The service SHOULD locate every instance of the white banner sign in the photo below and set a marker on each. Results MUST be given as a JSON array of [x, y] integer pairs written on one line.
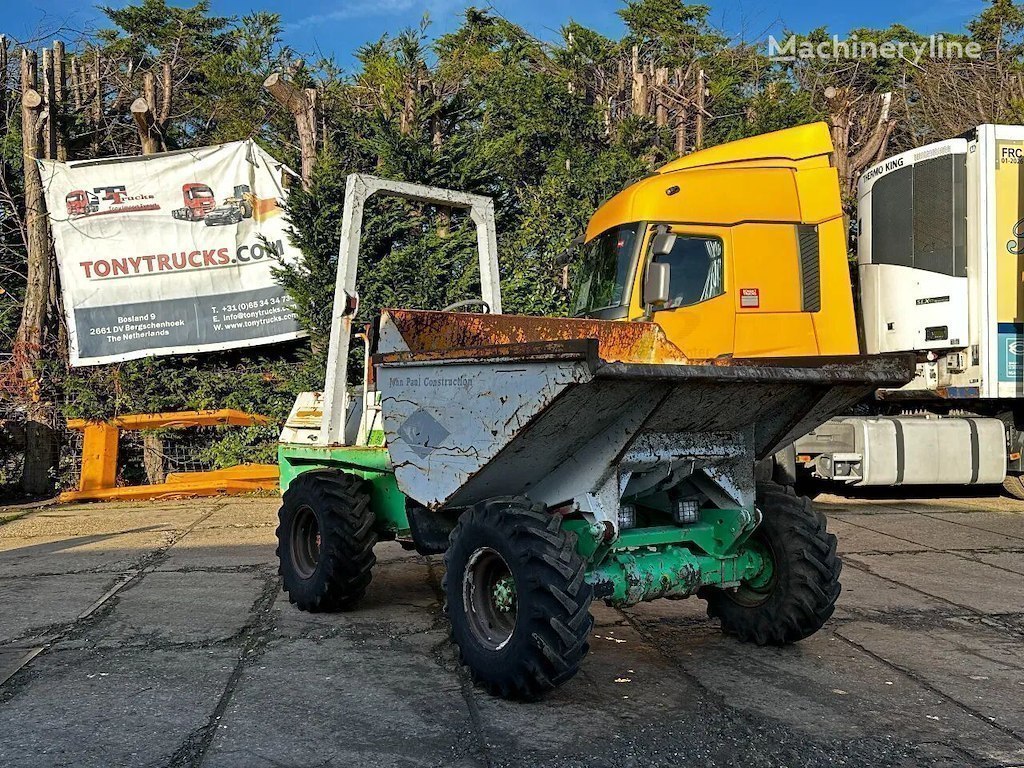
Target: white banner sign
[[170, 253]]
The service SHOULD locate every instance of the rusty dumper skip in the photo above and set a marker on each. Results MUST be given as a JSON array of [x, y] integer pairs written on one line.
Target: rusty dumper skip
[[554, 462]]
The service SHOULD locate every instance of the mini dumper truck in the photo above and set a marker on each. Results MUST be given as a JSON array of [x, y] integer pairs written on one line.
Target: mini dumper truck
[[555, 461]]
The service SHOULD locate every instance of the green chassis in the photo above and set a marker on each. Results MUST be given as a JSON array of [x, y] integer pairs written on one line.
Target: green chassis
[[643, 563]]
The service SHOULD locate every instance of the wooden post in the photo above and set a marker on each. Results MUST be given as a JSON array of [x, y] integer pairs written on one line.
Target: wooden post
[[41, 446], [60, 99], [302, 105], [699, 139]]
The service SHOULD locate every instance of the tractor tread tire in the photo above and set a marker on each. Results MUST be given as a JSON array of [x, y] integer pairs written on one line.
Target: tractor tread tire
[[1014, 486], [553, 623], [806, 574], [347, 537]]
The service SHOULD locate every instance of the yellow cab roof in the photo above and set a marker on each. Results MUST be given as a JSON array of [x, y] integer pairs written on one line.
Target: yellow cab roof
[[784, 176]]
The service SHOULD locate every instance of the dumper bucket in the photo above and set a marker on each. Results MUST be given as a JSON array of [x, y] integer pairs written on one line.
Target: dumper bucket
[[478, 406]]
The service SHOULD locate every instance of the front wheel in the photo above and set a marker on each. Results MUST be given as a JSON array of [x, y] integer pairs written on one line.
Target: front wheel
[[325, 540], [798, 591], [516, 598]]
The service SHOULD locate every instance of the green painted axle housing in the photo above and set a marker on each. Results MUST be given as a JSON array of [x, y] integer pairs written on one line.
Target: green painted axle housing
[[641, 564]]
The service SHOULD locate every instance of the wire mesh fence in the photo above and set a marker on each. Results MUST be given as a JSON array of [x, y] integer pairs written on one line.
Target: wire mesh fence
[[143, 456]]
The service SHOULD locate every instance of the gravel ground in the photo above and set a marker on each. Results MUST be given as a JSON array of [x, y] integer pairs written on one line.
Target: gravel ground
[[155, 634]]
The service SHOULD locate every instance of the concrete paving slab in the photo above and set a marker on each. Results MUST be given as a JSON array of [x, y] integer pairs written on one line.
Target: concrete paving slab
[[222, 548], [857, 535], [174, 608], [338, 702], [925, 531], [829, 691], [402, 597], [866, 595], [1010, 524], [386, 551], [974, 586], [14, 657], [92, 519], [952, 663], [243, 511], [1008, 561], [37, 606], [93, 709], [110, 553]]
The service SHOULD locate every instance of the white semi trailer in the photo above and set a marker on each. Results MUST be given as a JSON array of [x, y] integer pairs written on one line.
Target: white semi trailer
[[940, 261]]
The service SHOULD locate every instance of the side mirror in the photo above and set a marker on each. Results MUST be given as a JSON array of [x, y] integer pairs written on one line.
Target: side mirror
[[566, 256], [662, 244], [656, 282]]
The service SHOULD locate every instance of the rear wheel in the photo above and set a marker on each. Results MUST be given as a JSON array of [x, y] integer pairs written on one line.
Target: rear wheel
[[516, 598], [325, 540], [1014, 486], [797, 595]]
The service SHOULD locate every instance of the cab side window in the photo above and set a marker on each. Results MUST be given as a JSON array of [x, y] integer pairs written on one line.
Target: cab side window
[[695, 273]]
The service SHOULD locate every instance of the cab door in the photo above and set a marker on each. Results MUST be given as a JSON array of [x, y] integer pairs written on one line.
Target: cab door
[[700, 315]]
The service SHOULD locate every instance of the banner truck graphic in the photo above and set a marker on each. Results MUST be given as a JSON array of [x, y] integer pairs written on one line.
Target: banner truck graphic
[[171, 253], [198, 199]]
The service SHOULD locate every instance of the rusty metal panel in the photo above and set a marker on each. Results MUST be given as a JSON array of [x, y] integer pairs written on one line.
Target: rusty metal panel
[[431, 332]]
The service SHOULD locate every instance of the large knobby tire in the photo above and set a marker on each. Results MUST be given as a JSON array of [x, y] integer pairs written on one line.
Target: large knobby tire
[[801, 594], [516, 597], [1014, 486], [325, 540]]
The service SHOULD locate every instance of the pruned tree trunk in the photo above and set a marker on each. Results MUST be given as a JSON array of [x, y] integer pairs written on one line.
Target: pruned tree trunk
[[864, 123], [407, 117], [60, 99], [681, 116], [30, 333], [145, 124], [5, 86], [661, 102], [41, 445], [699, 100], [76, 84], [301, 103], [166, 98], [49, 107], [144, 113], [638, 94], [97, 101], [153, 457]]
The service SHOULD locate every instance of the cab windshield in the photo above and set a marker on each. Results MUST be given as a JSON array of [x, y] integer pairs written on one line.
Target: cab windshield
[[604, 271]]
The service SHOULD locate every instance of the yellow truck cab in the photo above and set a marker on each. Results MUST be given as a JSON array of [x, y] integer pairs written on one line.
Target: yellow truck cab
[[751, 235], [755, 254]]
